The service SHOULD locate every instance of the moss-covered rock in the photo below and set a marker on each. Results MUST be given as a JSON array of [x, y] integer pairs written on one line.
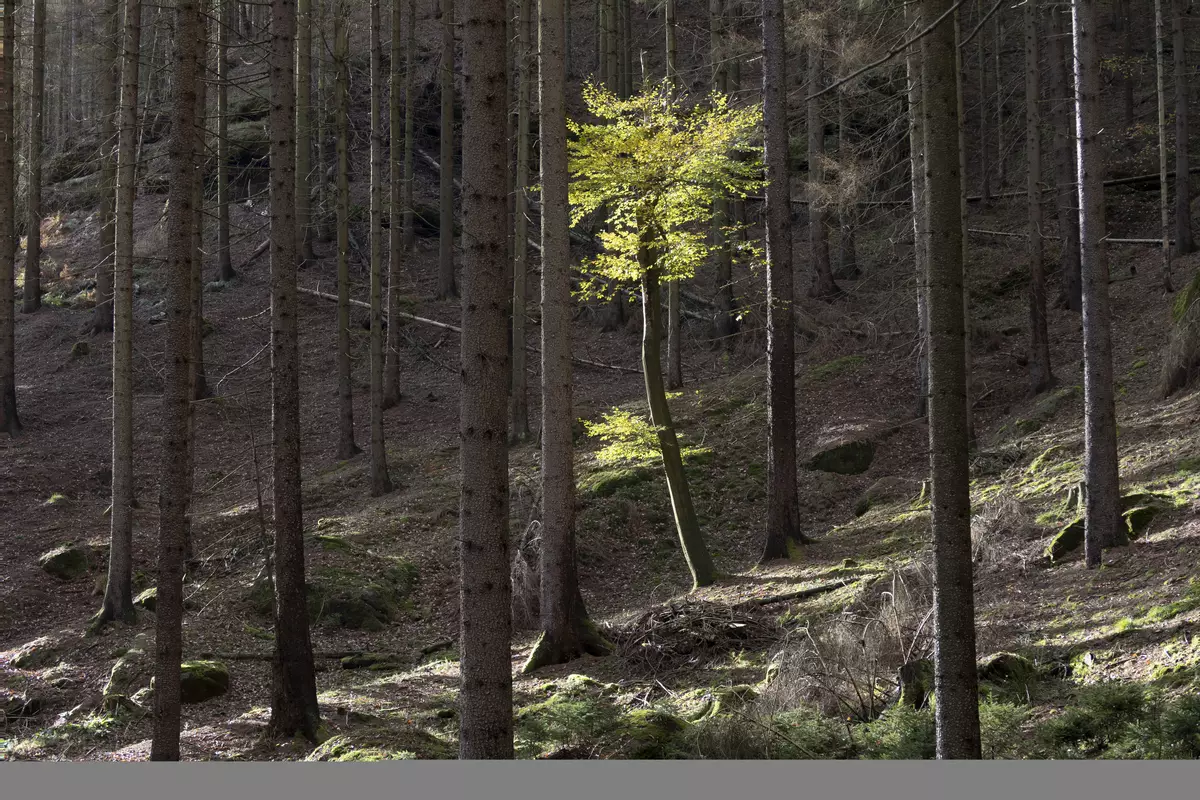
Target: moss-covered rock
[[885, 490], [1068, 539], [148, 599], [846, 457], [348, 599], [41, 653], [651, 733], [1046, 409], [66, 562], [1007, 668], [916, 683], [202, 680], [606, 482], [382, 743], [131, 672]]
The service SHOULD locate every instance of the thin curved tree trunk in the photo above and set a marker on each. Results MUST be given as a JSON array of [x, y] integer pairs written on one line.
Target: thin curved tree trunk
[[446, 284], [519, 407], [118, 595], [1041, 376], [175, 488], [346, 445], [485, 699], [1064, 163], [110, 83], [381, 483], [396, 211], [783, 503], [566, 630], [32, 299], [955, 679], [1184, 242], [294, 707], [688, 526], [224, 29], [1102, 521]]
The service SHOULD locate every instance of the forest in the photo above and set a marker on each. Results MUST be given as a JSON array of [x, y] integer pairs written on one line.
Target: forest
[[619, 379]]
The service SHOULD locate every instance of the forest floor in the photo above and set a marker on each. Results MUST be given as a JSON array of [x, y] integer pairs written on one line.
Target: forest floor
[[732, 670]]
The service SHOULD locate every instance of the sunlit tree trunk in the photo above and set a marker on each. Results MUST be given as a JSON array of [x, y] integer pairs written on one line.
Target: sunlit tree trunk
[[110, 83], [32, 299], [955, 680], [1040, 373], [1102, 521], [519, 416]]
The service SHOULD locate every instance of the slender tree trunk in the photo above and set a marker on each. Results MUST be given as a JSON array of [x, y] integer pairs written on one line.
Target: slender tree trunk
[[110, 82], [485, 700], [410, 61], [985, 169], [1184, 243], [1001, 155], [199, 383], [304, 128], [9, 422], [32, 299], [916, 147], [627, 47], [955, 681], [380, 482], [224, 261], [294, 689], [391, 372], [175, 487], [718, 46], [818, 231], [1125, 28], [674, 331], [446, 285], [346, 446], [118, 595], [1040, 374], [783, 502], [1102, 521], [1163, 184], [960, 81], [847, 248], [519, 421], [1064, 163], [688, 526], [566, 630]]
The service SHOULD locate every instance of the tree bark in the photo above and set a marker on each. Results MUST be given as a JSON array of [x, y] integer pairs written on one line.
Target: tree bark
[[346, 445], [1064, 164], [783, 503], [199, 384], [1102, 519], [1184, 243], [381, 483], [818, 232], [485, 700], [118, 595], [566, 630], [224, 262], [674, 331], [1040, 373], [9, 421], [955, 681], [1163, 184], [294, 689], [110, 81], [916, 148], [175, 487], [726, 326], [985, 169], [446, 285], [688, 526], [396, 204], [519, 417], [410, 61], [32, 298], [304, 128]]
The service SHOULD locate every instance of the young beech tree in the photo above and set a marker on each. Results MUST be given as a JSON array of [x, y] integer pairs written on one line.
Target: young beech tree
[[658, 170]]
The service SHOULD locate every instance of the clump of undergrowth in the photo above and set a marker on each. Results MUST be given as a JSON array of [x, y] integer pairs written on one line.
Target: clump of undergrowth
[[995, 527], [1124, 720]]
